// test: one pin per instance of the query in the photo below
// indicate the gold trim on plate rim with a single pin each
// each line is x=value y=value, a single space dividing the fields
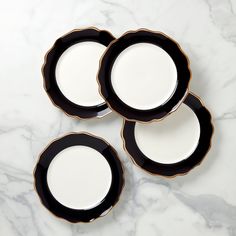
x=44 y=83
x=188 y=65
x=180 y=174
x=123 y=179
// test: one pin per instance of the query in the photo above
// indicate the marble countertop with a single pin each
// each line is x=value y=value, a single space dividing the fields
x=200 y=203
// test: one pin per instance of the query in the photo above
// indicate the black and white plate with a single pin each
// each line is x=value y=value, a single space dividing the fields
x=174 y=145
x=144 y=75
x=70 y=70
x=79 y=177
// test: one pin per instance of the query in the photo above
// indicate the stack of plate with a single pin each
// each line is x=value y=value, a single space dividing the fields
x=143 y=76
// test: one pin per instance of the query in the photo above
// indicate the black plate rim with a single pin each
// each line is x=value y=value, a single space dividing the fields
x=119 y=188
x=177 y=172
x=103 y=90
x=106 y=110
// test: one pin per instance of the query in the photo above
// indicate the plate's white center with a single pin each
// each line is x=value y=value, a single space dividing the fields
x=144 y=76
x=79 y=177
x=76 y=73
x=171 y=140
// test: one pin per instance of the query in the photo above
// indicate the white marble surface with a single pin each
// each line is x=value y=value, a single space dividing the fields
x=201 y=203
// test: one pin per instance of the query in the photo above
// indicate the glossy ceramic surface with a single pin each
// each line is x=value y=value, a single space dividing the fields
x=83 y=97
x=144 y=80
x=46 y=183
x=194 y=157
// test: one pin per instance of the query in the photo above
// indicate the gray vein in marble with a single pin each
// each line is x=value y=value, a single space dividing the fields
x=119 y=5
x=28 y=121
x=223 y=18
x=226 y=116
x=229 y=82
x=215 y=210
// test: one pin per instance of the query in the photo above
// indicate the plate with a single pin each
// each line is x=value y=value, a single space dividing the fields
x=79 y=177
x=144 y=75
x=70 y=69
x=174 y=145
